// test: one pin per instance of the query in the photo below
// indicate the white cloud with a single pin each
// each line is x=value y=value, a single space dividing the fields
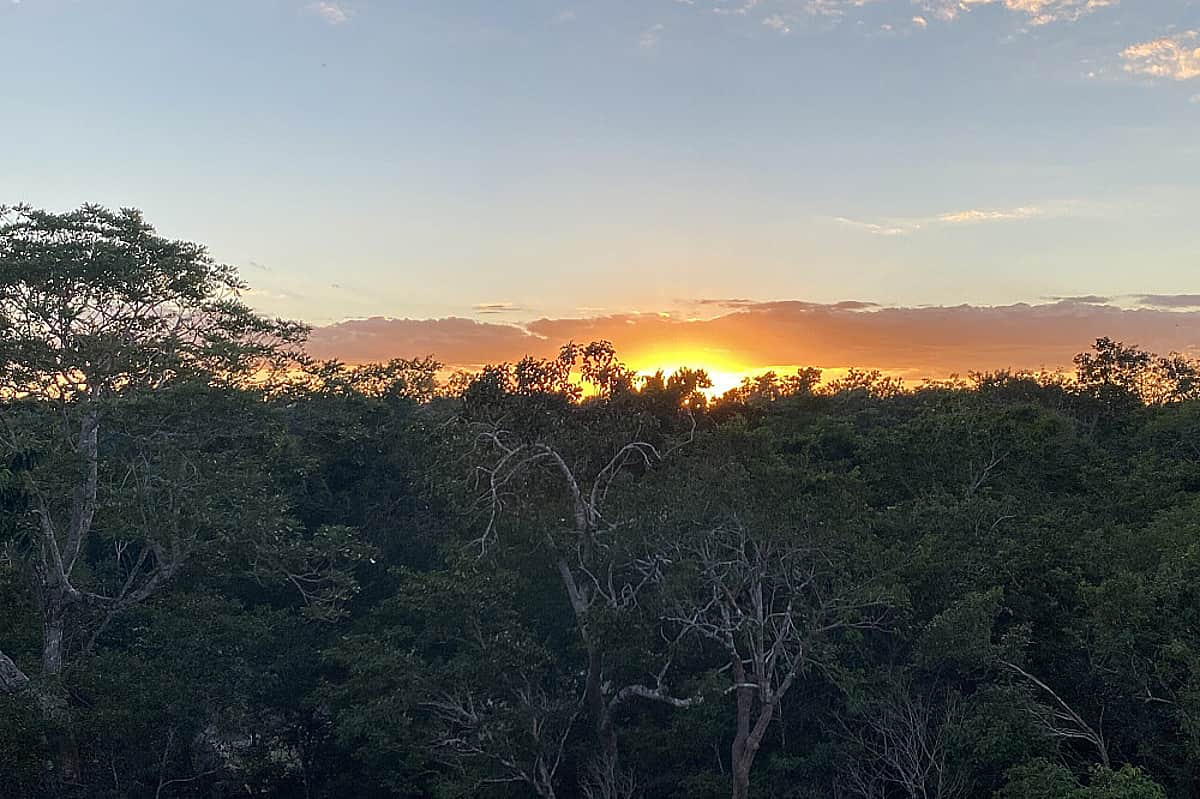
x=741 y=9
x=1036 y=12
x=976 y=215
x=651 y=37
x=330 y=11
x=777 y=23
x=1175 y=57
x=969 y=216
x=827 y=8
x=874 y=227
x=778 y=14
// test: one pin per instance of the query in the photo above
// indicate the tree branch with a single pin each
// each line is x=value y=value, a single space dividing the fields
x=12 y=679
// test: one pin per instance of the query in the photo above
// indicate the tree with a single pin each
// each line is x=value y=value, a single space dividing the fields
x=1043 y=779
x=902 y=739
x=1119 y=377
x=769 y=600
x=100 y=317
x=542 y=448
x=447 y=690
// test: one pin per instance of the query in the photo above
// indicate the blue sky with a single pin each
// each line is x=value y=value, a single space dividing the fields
x=542 y=158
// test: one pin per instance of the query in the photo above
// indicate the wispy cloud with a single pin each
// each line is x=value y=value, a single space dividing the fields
x=737 y=304
x=651 y=37
x=972 y=215
x=1084 y=299
x=741 y=8
x=875 y=227
x=969 y=216
x=783 y=15
x=1175 y=57
x=1169 y=300
x=497 y=307
x=727 y=303
x=1035 y=12
x=776 y=22
x=331 y=11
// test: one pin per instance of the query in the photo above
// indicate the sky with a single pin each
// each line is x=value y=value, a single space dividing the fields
x=746 y=183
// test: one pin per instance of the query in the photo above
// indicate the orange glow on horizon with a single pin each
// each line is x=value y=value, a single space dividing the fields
x=727 y=373
x=723 y=370
x=720 y=368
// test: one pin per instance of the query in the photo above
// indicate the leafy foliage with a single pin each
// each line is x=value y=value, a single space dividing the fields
x=554 y=578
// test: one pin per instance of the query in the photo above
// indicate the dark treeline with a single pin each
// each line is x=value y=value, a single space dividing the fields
x=227 y=570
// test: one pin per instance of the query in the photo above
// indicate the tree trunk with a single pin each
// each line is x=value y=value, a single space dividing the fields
x=744 y=751
x=54 y=624
x=62 y=738
x=748 y=738
x=52 y=698
x=739 y=764
x=593 y=694
x=606 y=732
x=741 y=781
x=544 y=782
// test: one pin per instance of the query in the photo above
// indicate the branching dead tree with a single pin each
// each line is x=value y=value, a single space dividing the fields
x=768 y=602
x=520 y=738
x=606 y=780
x=901 y=741
x=595 y=576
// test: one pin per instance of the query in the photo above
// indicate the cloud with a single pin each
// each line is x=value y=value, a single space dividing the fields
x=917 y=342
x=783 y=15
x=1175 y=57
x=1036 y=12
x=496 y=307
x=744 y=304
x=453 y=340
x=1169 y=300
x=969 y=216
x=828 y=8
x=651 y=37
x=973 y=215
x=1085 y=299
x=331 y=11
x=743 y=8
x=777 y=23
x=727 y=303
x=875 y=228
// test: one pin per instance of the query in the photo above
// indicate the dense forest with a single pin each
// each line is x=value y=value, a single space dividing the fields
x=229 y=570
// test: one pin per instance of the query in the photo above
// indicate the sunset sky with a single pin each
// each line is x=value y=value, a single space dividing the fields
x=922 y=186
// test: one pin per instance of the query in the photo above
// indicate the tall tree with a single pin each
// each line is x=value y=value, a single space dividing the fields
x=97 y=313
x=563 y=461
x=770 y=600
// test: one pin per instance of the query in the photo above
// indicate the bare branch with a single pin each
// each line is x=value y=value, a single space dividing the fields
x=1062 y=722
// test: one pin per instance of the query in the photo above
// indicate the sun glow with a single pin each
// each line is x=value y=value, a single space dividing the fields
x=724 y=372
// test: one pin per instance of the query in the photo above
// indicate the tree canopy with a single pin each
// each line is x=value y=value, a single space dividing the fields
x=228 y=570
